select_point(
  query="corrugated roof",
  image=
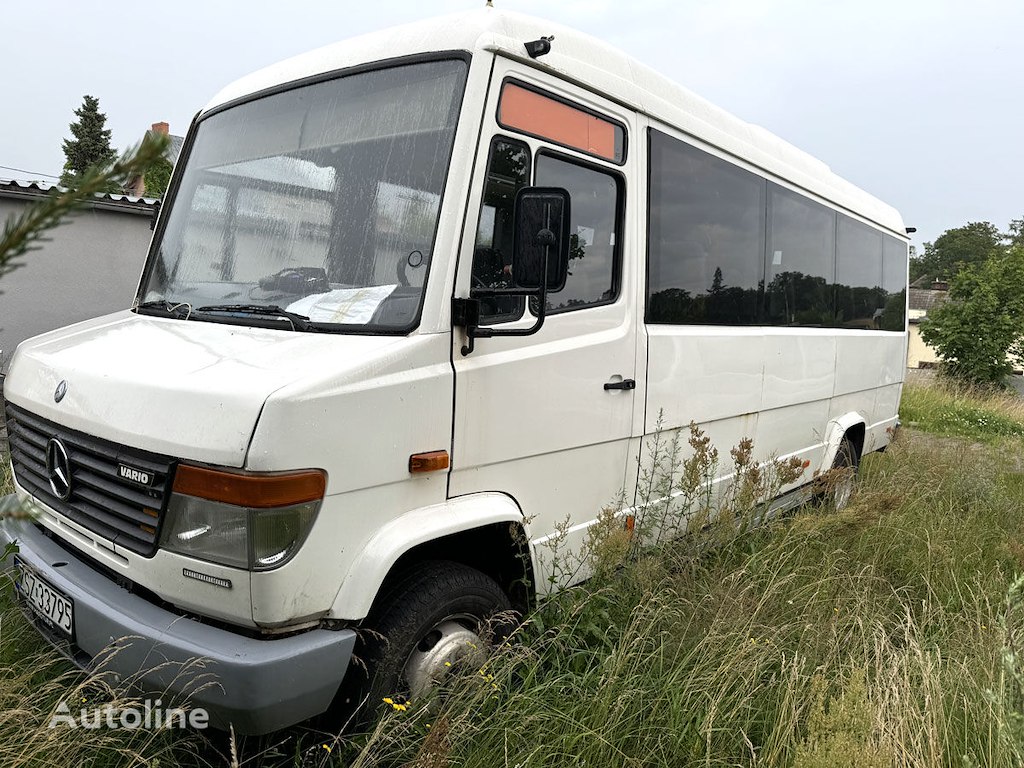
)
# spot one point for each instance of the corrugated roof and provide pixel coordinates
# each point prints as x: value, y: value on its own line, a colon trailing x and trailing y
x: 22, y: 189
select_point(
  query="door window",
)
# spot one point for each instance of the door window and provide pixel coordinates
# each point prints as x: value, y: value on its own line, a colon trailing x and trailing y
x: 595, y: 217
x: 507, y: 171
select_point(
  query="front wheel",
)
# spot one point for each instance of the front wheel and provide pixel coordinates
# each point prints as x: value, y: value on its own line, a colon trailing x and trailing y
x: 434, y: 616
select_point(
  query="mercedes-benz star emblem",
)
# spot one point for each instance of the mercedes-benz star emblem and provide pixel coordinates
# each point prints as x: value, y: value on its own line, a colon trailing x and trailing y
x: 61, y: 390
x: 58, y: 469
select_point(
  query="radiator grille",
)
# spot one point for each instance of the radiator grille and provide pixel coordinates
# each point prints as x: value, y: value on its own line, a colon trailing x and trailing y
x: 101, y: 500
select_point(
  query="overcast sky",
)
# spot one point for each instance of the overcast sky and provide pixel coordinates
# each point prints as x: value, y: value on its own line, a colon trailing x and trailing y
x: 917, y: 101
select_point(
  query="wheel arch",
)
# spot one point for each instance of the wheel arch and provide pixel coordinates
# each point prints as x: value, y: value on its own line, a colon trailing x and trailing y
x: 485, y: 531
x: 850, y: 425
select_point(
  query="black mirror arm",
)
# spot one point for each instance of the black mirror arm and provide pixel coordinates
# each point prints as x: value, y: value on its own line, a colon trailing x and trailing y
x: 471, y: 319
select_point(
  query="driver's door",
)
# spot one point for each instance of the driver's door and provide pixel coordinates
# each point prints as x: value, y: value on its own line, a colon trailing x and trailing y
x: 547, y: 418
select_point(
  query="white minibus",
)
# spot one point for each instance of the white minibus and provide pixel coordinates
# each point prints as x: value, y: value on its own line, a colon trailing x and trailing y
x: 412, y: 301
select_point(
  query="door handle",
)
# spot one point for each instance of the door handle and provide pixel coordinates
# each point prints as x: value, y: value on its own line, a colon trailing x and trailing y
x: 624, y: 384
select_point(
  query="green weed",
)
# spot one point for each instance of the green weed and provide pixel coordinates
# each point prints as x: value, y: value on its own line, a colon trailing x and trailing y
x: 946, y: 408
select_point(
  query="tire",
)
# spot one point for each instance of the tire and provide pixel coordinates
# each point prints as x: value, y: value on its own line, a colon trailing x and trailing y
x: 836, y: 486
x: 433, y: 616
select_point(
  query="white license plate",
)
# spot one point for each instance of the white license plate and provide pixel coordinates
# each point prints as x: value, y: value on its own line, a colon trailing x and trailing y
x: 51, y: 605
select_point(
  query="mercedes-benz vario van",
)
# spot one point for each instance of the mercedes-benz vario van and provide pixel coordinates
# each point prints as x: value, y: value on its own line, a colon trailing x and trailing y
x: 411, y: 301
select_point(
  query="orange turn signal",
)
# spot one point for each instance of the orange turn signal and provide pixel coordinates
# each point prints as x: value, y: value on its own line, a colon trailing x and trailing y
x: 251, y: 490
x: 428, y: 462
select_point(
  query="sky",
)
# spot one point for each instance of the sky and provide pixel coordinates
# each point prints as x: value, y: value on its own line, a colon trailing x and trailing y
x: 919, y: 102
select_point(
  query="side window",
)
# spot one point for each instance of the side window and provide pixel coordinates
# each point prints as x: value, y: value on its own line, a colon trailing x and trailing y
x: 860, y: 300
x: 800, y: 267
x: 706, y: 237
x: 507, y: 171
x: 894, y: 283
x: 594, y: 231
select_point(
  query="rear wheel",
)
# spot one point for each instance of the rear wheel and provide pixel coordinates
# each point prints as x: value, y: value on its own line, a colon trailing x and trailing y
x: 435, y: 616
x: 836, y: 486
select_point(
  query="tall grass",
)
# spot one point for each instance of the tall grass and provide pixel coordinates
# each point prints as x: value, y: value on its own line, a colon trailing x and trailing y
x: 34, y: 683
x: 887, y: 633
x: 877, y: 635
x: 6, y: 480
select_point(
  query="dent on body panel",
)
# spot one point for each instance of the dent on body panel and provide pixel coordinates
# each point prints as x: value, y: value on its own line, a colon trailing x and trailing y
x: 887, y: 402
x: 362, y: 425
x: 853, y: 407
x: 892, y: 356
x: 703, y: 374
x: 864, y: 360
x: 799, y: 367
x: 793, y: 430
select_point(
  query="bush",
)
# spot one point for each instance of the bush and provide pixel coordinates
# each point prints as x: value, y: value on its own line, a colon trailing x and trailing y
x: 983, y: 321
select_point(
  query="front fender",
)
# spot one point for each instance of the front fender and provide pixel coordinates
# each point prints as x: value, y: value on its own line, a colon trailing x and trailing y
x: 416, y: 527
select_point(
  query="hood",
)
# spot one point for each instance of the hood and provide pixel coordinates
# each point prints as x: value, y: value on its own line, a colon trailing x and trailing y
x: 188, y: 389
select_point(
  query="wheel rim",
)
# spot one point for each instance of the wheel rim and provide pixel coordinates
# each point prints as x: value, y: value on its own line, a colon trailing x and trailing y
x: 447, y: 643
x: 843, y: 487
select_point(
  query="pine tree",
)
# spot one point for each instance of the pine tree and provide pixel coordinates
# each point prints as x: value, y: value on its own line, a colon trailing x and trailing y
x: 90, y: 146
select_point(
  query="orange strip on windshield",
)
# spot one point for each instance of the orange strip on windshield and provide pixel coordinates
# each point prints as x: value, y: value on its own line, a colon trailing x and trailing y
x: 542, y: 116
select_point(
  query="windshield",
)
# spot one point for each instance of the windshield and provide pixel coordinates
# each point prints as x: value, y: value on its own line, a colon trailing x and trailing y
x: 321, y: 201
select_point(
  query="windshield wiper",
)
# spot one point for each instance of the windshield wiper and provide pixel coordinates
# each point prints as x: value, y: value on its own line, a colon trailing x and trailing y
x: 299, y: 322
x: 180, y: 309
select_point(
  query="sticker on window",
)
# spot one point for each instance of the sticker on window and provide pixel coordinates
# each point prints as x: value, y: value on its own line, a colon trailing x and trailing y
x: 539, y: 115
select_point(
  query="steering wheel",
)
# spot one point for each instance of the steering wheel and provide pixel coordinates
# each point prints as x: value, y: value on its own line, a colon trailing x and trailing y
x: 415, y: 260
x: 489, y: 269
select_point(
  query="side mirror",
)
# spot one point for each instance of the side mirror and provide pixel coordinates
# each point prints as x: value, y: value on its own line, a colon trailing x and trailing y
x: 541, y: 226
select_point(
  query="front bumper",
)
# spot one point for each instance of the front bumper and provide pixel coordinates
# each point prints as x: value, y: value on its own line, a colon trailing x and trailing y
x: 253, y: 685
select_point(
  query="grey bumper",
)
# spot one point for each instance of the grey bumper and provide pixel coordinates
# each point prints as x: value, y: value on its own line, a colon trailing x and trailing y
x: 254, y: 685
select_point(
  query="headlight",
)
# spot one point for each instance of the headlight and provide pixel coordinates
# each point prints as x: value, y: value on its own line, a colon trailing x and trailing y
x: 252, y: 521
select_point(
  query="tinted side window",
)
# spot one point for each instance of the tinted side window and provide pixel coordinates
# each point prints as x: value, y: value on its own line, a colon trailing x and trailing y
x: 507, y: 171
x: 706, y: 237
x: 860, y: 299
x: 800, y: 265
x: 595, y: 216
x: 894, y: 284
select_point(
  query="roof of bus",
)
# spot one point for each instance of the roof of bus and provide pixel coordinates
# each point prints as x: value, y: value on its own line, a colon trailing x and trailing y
x: 594, y: 64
